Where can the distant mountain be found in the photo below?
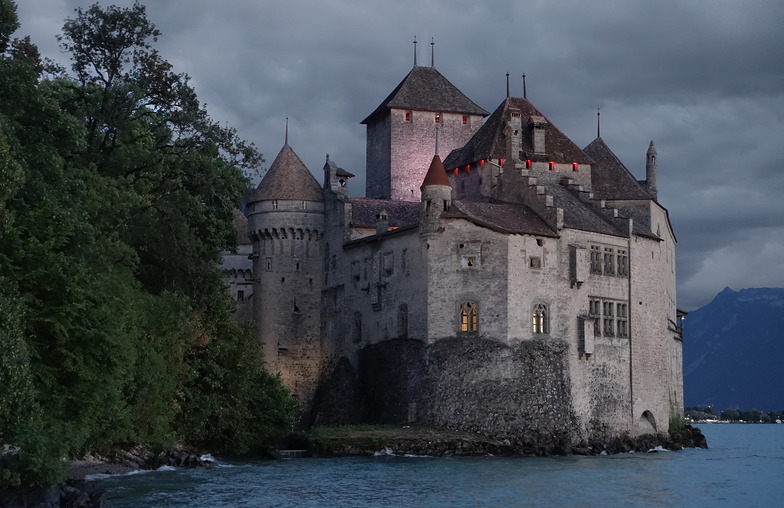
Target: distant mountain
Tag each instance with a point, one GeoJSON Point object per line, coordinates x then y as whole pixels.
{"type": "Point", "coordinates": [733, 351]}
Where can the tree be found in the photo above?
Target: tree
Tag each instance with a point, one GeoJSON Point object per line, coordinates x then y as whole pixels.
{"type": "Point", "coordinates": [116, 199]}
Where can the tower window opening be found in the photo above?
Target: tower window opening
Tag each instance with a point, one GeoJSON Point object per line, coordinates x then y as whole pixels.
{"type": "Point", "coordinates": [528, 164]}
{"type": "Point", "coordinates": [574, 166]}
{"type": "Point", "coordinates": [274, 204]}
{"type": "Point", "coordinates": [465, 120]}
{"type": "Point", "coordinates": [408, 116]}
{"type": "Point", "coordinates": [552, 166]}
{"type": "Point", "coordinates": [438, 118]}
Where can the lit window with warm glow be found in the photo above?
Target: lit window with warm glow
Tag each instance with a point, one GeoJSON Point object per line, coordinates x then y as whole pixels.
{"type": "Point", "coordinates": [468, 321]}
{"type": "Point", "coordinates": [528, 164]}
{"type": "Point", "coordinates": [552, 166]}
{"type": "Point", "coordinates": [539, 321]}
{"type": "Point", "coordinates": [408, 116]}
{"type": "Point", "coordinates": [482, 163]}
{"type": "Point", "coordinates": [438, 118]}
{"type": "Point", "coordinates": [574, 166]}
{"type": "Point", "coordinates": [465, 120]}
{"type": "Point", "coordinates": [500, 162]}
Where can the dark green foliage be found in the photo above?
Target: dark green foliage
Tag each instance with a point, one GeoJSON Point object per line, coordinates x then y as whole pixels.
{"type": "Point", "coordinates": [116, 199]}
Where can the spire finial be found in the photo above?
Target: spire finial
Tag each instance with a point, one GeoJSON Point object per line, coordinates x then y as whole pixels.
{"type": "Point", "coordinates": [507, 85]}
{"type": "Point", "coordinates": [415, 43]}
{"type": "Point", "coordinates": [287, 132]}
{"type": "Point", "coordinates": [432, 52]}
{"type": "Point", "coordinates": [598, 124]}
{"type": "Point", "coordinates": [525, 93]}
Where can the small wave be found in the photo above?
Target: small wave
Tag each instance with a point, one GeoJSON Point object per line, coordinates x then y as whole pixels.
{"type": "Point", "coordinates": [207, 457]}
{"type": "Point", "coordinates": [101, 476]}
{"type": "Point", "coordinates": [657, 449]}
{"type": "Point", "coordinates": [166, 468]}
{"type": "Point", "coordinates": [386, 452]}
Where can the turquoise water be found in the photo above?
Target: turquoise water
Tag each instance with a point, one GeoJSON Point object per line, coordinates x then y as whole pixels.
{"type": "Point", "coordinates": [743, 467]}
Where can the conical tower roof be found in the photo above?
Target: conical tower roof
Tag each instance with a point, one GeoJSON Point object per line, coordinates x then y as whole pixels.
{"type": "Point", "coordinates": [288, 179]}
{"type": "Point", "coordinates": [436, 174]}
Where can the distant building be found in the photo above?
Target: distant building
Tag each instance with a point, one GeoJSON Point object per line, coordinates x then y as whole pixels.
{"type": "Point", "coordinates": [523, 288]}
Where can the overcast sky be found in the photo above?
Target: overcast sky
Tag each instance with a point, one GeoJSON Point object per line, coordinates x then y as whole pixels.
{"type": "Point", "coordinates": [703, 79]}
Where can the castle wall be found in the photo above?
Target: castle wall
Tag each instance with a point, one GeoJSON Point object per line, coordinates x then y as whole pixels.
{"type": "Point", "coordinates": [656, 346]}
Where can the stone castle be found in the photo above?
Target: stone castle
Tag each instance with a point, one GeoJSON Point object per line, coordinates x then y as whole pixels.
{"type": "Point", "coordinates": [523, 288]}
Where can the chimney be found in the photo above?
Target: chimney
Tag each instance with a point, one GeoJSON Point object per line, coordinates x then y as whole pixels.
{"type": "Point", "coordinates": [538, 124]}
{"type": "Point", "coordinates": [650, 170]}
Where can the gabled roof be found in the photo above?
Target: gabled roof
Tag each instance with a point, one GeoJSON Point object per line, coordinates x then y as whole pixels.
{"type": "Point", "coordinates": [365, 211]}
{"type": "Point", "coordinates": [499, 216]}
{"type": "Point", "coordinates": [241, 227]}
{"type": "Point", "coordinates": [609, 177]}
{"type": "Point", "coordinates": [436, 174]}
{"type": "Point", "coordinates": [424, 88]}
{"type": "Point", "coordinates": [288, 179]}
{"type": "Point", "coordinates": [489, 142]}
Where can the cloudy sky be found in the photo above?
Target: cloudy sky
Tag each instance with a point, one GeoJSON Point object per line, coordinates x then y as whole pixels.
{"type": "Point", "coordinates": [704, 79]}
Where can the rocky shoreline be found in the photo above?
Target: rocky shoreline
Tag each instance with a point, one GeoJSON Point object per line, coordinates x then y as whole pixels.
{"type": "Point", "coordinates": [389, 441]}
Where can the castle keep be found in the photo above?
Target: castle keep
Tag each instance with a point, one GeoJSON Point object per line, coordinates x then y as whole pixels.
{"type": "Point", "coordinates": [522, 287]}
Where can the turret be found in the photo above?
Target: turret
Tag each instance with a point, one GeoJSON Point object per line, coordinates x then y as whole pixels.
{"type": "Point", "coordinates": [650, 170]}
{"type": "Point", "coordinates": [436, 196]}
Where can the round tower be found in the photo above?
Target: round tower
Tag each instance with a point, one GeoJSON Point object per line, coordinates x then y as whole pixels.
{"type": "Point", "coordinates": [286, 224]}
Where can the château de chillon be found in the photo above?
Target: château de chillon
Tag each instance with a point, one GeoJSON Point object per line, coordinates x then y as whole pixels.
{"type": "Point", "coordinates": [520, 287]}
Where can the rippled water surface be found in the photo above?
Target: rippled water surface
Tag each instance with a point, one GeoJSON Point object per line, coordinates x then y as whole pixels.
{"type": "Point", "coordinates": [743, 467]}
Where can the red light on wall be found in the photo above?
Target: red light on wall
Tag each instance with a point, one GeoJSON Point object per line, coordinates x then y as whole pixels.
{"type": "Point", "coordinates": [465, 120]}
{"type": "Point", "coordinates": [408, 116]}
{"type": "Point", "coordinates": [500, 162]}
{"type": "Point", "coordinates": [552, 166]}
{"type": "Point", "coordinates": [528, 164]}
{"type": "Point", "coordinates": [574, 166]}
{"type": "Point", "coordinates": [482, 163]}
{"type": "Point", "coordinates": [455, 171]}
{"type": "Point", "coordinates": [468, 169]}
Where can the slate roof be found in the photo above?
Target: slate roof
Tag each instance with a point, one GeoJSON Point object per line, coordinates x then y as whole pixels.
{"type": "Point", "coordinates": [436, 174]}
{"type": "Point", "coordinates": [489, 142]}
{"type": "Point", "coordinates": [426, 89]}
{"type": "Point", "coordinates": [499, 216]}
{"type": "Point", "coordinates": [364, 212]}
{"type": "Point", "coordinates": [288, 179]}
{"type": "Point", "coordinates": [578, 215]}
{"type": "Point", "coordinates": [609, 177]}
{"type": "Point", "coordinates": [241, 228]}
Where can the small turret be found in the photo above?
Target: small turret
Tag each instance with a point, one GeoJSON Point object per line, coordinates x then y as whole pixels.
{"type": "Point", "coordinates": [650, 170]}
{"type": "Point", "coordinates": [436, 196]}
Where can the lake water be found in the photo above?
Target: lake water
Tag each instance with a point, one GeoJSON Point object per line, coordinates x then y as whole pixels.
{"type": "Point", "coordinates": [744, 466]}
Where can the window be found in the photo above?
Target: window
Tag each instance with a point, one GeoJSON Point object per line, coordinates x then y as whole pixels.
{"type": "Point", "coordinates": [240, 296]}
{"type": "Point", "coordinates": [607, 310]}
{"type": "Point", "coordinates": [623, 263]}
{"type": "Point", "coordinates": [540, 319]}
{"type": "Point", "coordinates": [609, 261]}
{"type": "Point", "coordinates": [356, 335]}
{"type": "Point", "coordinates": [596, 259]}
{"type": "Point", "coordinates": [304, 205]}
{"type": "Point", "coordinates": [574, 166]}
{"type": "Point", "coordinates": [535, 262]}
{"type": "Point", "coordinates": [622, 322]}
{"type": "Point", "coordinates": [468, 317]}
{"type": "Point", "coordinates": [465, 120]}
{"type": "Point", "coordinates": [595, 312]}
{"type": "Point", "coordinates": [438, 118]}
{"type": "Point", "coordinates": [552, 166]}
{"type": "Point", "coordinates": [528, 164]}
{"type": "Point", "coordinates": [408, 116]}
{"type": "Point", "coordinates": [268, 264]}
{"type": "Point", "coordinates": [274, 204]}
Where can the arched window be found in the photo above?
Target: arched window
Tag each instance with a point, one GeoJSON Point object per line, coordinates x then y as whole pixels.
{"type": "Point", "coordinates": [541, 319]}
{"type": "Point", "coordinates": [468, 317]}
